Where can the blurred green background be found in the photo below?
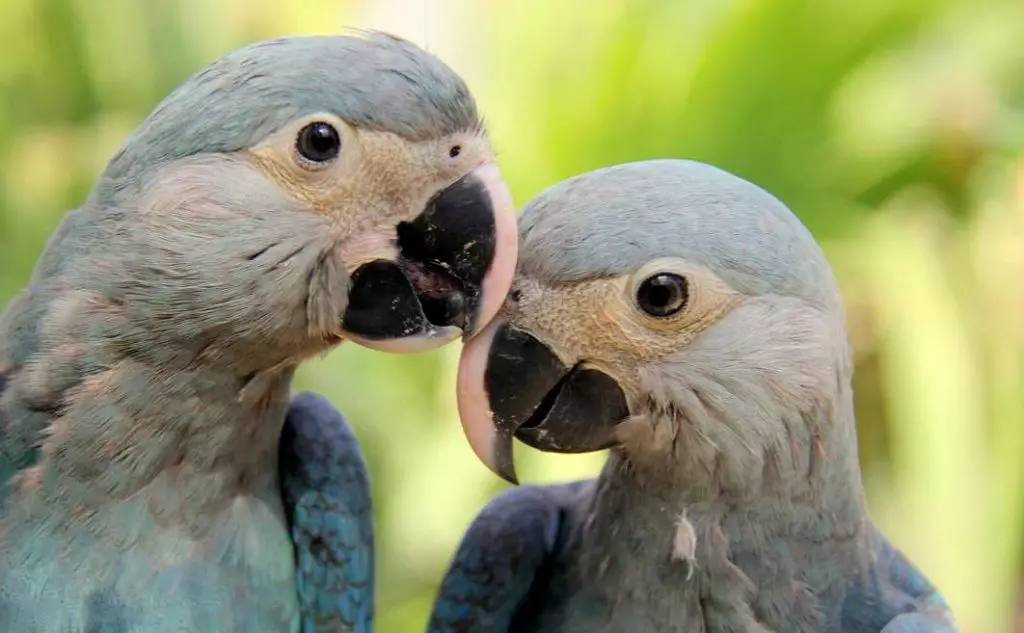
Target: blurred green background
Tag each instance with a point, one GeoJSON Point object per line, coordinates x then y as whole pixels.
{"type": "Point", "coordinates": [894, 128]}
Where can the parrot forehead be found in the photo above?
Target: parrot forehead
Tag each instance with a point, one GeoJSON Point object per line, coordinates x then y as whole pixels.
{"type": "Point", "coordinates": [375, 81]}
{"type": "Point", "coordinates": [612, 221]}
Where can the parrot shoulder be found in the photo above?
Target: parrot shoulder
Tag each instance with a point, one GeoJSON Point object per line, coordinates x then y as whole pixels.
{"type": "Point", "coordinates": [921, 622]}
{"type": "Point", "coordinates": [502, 559]}
{"type": "Point", "coordinates": [30, 388]}
{"type": "Point", "coordinates": [326, 493]}
{"type": "Point", "coordinates": [895, 596]}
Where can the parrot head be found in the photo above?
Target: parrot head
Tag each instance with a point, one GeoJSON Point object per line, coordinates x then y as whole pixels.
{"type": "Point", "coordinates": [295, 193]}
{"type": "Point", "coordinates": [656, 304]}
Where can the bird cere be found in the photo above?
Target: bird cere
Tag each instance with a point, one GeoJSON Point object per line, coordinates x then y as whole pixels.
{"type": "Point", "coordinates": [157, 473]}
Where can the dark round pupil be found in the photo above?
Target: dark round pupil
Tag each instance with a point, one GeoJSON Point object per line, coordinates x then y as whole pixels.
{"type": "Point", "coordinates": [662, 295]}
{"type": "Point", "coordinates": [319, 142]}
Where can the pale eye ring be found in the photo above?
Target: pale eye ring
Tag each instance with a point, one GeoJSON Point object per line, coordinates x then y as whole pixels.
{"type": "Point", "coordinates": [663, 294]}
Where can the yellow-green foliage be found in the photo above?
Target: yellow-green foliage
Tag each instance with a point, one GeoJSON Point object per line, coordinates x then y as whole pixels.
{"type": "Point", "coordinates": [892, 127]}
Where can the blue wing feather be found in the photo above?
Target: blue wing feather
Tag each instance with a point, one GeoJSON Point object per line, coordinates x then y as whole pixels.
{"type": "Point", "coordinates": [326, 492]}
{"type": "Point", "coordinates": [501, 561]}
{"type": "Point", "coordinates": [923, 622]}
{"type": "Point", "coordinates": [933, 615]}
{"type": "Point", "coordinates": [896, 598]}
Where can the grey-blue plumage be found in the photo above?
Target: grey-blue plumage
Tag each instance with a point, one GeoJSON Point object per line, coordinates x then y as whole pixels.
{"type": "Point", "coordinates": [685, 319]}
{"type": "Point", "coordinates": [327, 505]}
{"type": "Point", "coordinates": [155, 472]}
{"type": "Point", "coordinates": [518, 569]}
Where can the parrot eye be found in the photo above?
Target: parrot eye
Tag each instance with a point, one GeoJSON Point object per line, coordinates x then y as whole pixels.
{"type": "Point", "coordinates": [663, 294]}
{"type": "Point", "coordinates": [318, 142]}
{"type": "Point", "coordinates": [455, 151]}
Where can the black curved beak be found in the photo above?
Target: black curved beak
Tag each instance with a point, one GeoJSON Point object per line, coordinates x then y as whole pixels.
{"type": "Point", "coordinates": [454, 267]}
{"type": "Point", "coordinates": [512, 385]}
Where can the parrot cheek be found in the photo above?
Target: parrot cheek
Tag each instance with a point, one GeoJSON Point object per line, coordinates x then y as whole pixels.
{"type": "Point", "coordinates": [512, 385]}
{"type": "Point", "coordinates": [450, 273]}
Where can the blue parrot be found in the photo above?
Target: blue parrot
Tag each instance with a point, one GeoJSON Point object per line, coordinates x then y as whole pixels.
{"type": "Point", "coordinates": [686, 320]}
{"type": "Point", "coordinates": [155, 472]}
